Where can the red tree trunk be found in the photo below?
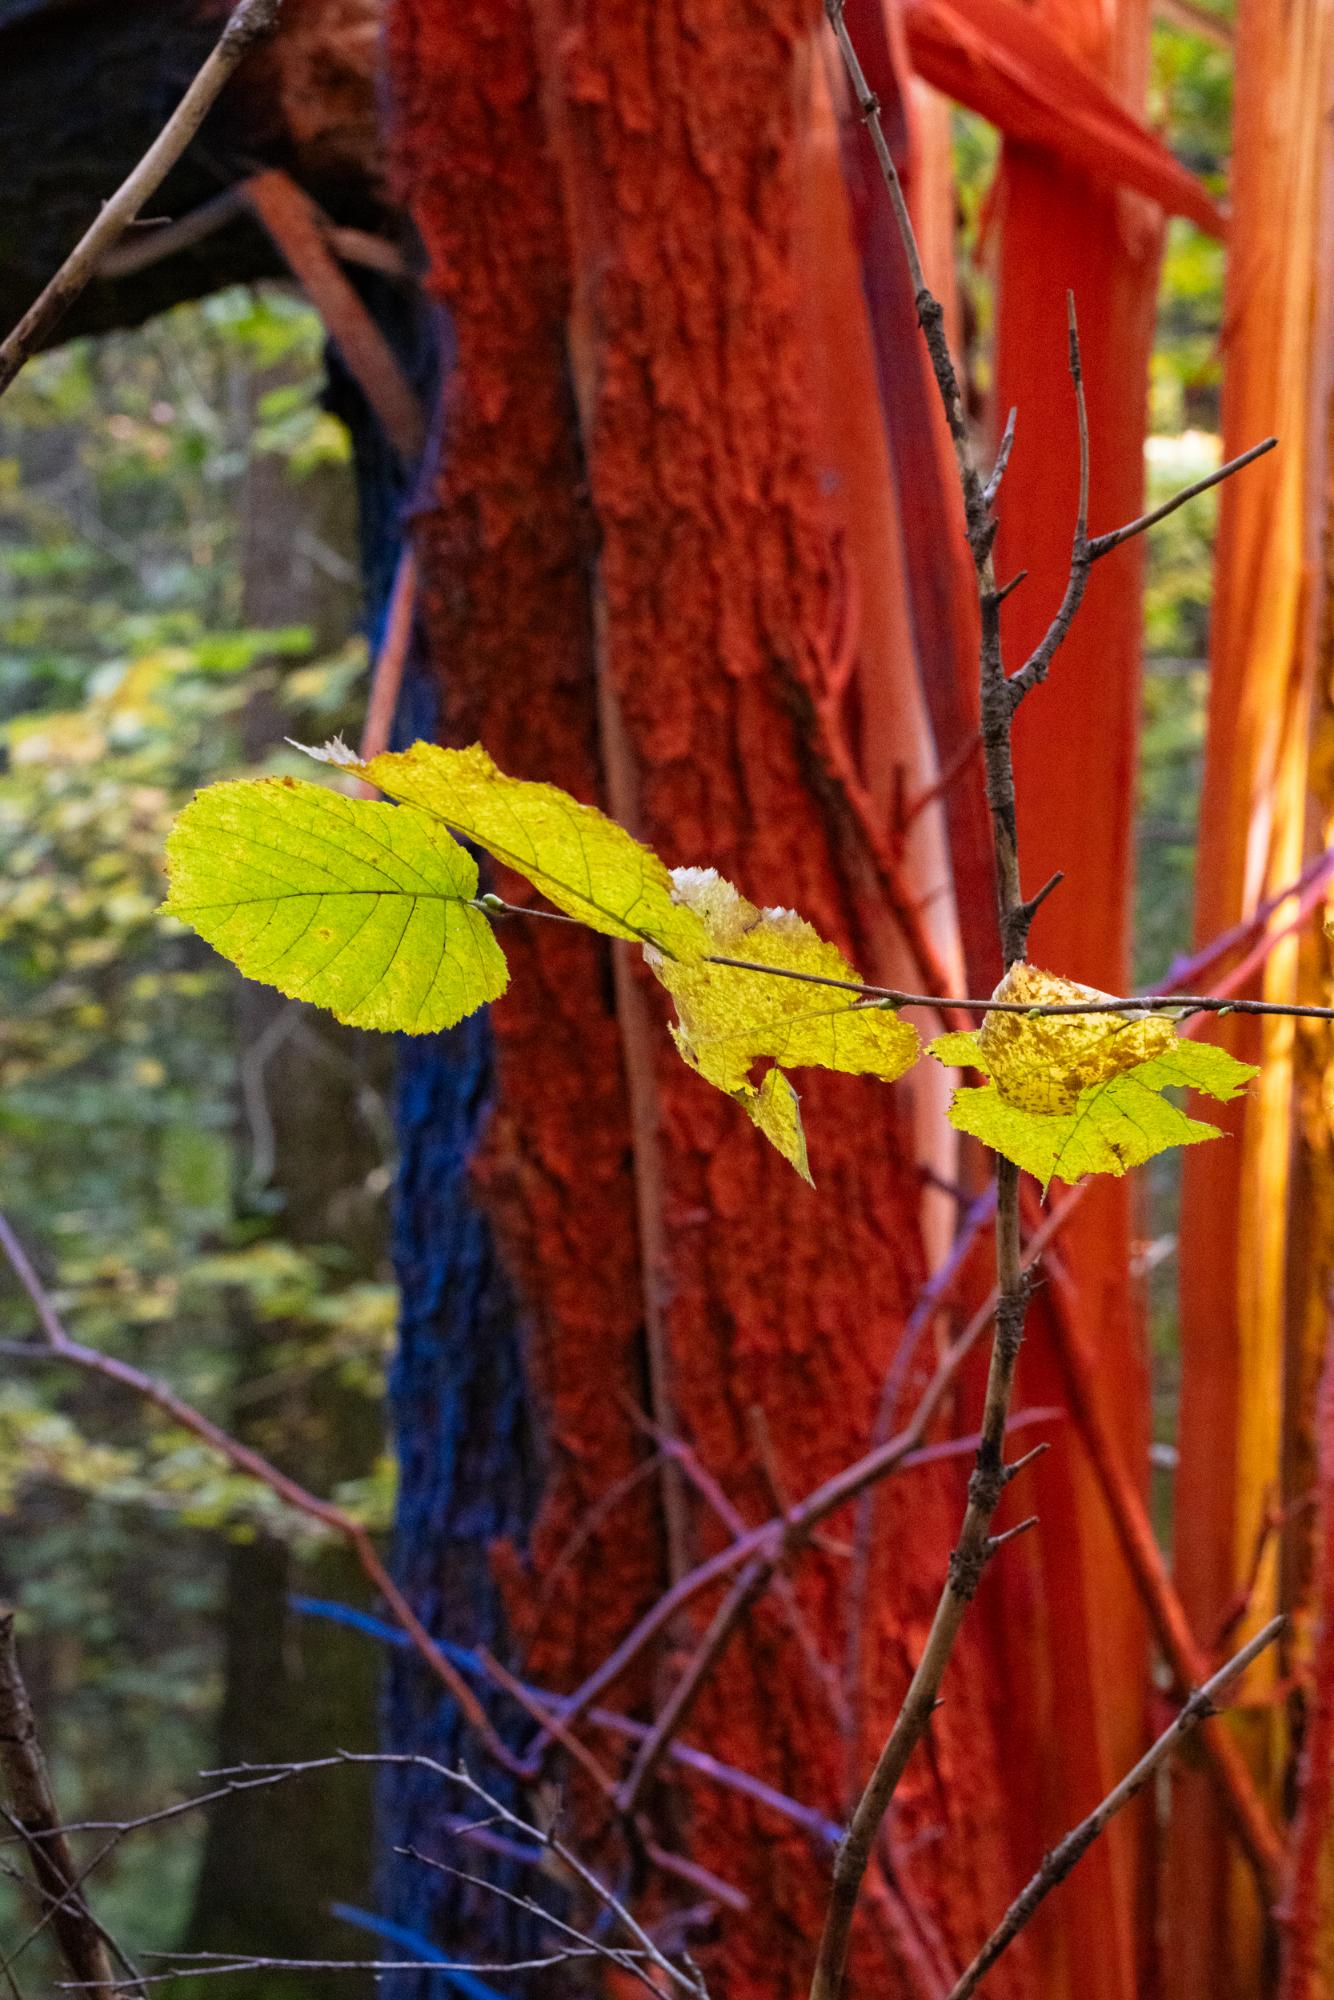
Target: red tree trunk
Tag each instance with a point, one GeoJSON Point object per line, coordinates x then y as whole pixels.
{"type": "Point", "coordinates": [637, 593]}
{"type": "Point", "coordinates": [1075, 772]}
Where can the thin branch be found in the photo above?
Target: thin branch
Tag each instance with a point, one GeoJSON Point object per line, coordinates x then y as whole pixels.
{"type": "Point", "coordinates": [993, 485]}
{"type": "Point", "coordinates": [1102, 545]}
{"type": "Point", "coordinates": [1063, 1857]}
{"type": "Point", "coordinates": [60, 1346]}
{"type": "Point", "coordinates": [1177, 1005]}
{"type": "Point", "coordinates": [77, 1932]}
{"type": "Point", "coordinates": [250, 22]}
{"type": "Point", "coordinates": [1035, 668]}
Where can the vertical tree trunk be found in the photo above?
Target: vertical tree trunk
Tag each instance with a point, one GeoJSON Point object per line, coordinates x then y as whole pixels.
{"type": "Point", "coordinates": [633, 591]}
{"type": "Point", "coordinates": [1252, 837]}
{"type": "Point", "coordinates": [1075, 773]}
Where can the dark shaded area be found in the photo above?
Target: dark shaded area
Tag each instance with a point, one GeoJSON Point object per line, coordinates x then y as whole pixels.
{"type": "Point", "coordinates": [85, 87]}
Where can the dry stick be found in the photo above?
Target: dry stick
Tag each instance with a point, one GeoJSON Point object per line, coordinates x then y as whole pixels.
{"type": "Point", "coordinates": [1188, 1664]}
{"type": "Point", "coordinates": [34, 1812]}
{"type": "Point", "coordinates": [1000, 696]}
{"type": "Point", "coordinates": [299, 229]}
{"type": "Point", "coordinates": [1138, 1005]}
{"type": "Point", "coordinates": [251, 21]}
{"type": "Point", "coordinates": [1063, 1857]}
{"type": "Point", "coordinates": [61, 1347]}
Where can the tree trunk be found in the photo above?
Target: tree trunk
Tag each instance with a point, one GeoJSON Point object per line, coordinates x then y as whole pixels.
{"type": "Point", "coordinates": [633, 591]}
{"type": "Point", "coordinates": [1239, 1359]}
{"type": "Point", "coordinates": [1076, 777]}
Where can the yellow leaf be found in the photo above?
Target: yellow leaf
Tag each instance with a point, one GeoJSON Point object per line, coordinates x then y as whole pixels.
{"type": "Point", "coordinates": [1080, 1094]}
{"type": "Point", "coordinates": [1044, 1064]}
{"type": "Point", "coordinates": [730, 1019]}
{"type": "Point", "coordinates": [582, 861]}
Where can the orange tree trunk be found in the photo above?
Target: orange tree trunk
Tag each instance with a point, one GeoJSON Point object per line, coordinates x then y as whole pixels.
{"type": "Point", "coordinates": [1075, 771]}
{"type": "Point", "coordinates": [1243, 1336]}
{"type": "Point", "coordinates": [637, 572]}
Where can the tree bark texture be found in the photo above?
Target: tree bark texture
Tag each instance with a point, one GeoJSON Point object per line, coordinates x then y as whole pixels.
{"type": "Point", "coordinates": [633, 591]}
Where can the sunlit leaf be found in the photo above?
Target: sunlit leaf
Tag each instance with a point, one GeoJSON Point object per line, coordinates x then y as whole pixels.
{"type": "Point", "coordinates": [582, 861]}
{"type": "Point", "coordinates": [1073, 1094]}
{"type": "Point", "coordinates": [359, 907]}
{"type": "Point", "coordinates": [729, 1019]}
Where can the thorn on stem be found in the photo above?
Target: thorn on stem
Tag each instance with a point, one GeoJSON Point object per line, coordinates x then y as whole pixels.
{"type": "Point", "coordinates": [1012, 1472]}
{"type": "Point", "coordinates": [1007, 589]}
{"type": "Point", "coordinates": [996, 1542]}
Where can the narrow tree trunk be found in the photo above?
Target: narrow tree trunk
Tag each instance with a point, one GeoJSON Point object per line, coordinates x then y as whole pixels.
{"type": "Point", "coordinates": [1076, 776]}
{"type": "Point", "coordinates": [1253, 832]}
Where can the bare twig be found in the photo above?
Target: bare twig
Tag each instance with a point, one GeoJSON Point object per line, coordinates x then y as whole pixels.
{"type": "Point", "coordinates": [1178, 1006]}
{"type": "Point", "coordinates": [250, 22]}
{"type": "Point", "coordinates": [35, 1816]}
{"type": "Point", "coordinates": [1063, 1857]}
{"type": "Point", "coordinates": [299, 229]}
{"type": "Point", "coordinates": [1000, 696]}
{"type": "Point", "coordinates": [60, 1346]}
{"type": "Point", "coordinates": [1035, 668]}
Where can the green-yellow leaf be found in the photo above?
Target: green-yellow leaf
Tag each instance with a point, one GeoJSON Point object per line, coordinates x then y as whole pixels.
{"type": "Point", "coordinates": [774, 1110]}
{"type": "Point", "coordinates": [582, 861]}
{"type": "Point", "coordinates": [728, 1019]}
{"type": "Point", "coordinates": [359, 907]}
{"type": "Point", "coordinates": [1073, 1094]}
{"type": "Point", "coordinates": [1114, 1126]}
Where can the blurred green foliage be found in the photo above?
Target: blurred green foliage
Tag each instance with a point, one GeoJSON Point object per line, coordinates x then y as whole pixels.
{"type": "Point", "coordinates": [134, 1159]}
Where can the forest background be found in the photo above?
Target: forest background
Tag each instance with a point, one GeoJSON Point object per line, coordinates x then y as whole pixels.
{"type": "Point", "coordinates": [180, 591]}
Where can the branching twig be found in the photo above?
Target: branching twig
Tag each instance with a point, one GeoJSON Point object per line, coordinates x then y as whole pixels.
{"type": "Point", "coordinates": [60, 1346]}
{"type": "Point", "coordinates": [34, 1814]}
{"type": "Point", "coordinates": [1063, 1857]}
{"type": "Point", "coordinates": [1000, 696]}
{"type": "Point", "coordinates": [251, 21]}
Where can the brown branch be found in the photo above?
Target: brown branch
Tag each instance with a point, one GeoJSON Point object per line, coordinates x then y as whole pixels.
{"type": "Point", "coordinates": [1186, 1661]}
{"type": "Point", "coordinates": [251, 21]}
{"type": "Point", "coordinates": [1035, 668]}
{"type": "Point", "coordinates": [34, 1814]}
{"type": "Point", "coordinates": [1177, 1005]}
{"type": "Point", "coordinates": [299, 230]}
{"type": "Point", "coordinates": [1067, 1852]}
{"type": "Point", "coordinates": [60, 1346]}
{"type": "Point", "coordinates": [387, 673]}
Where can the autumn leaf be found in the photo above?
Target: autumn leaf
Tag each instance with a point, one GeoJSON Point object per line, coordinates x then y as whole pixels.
{"type": "Point", "coordinates": [581, 861]}
{"type": "Point", "coordinates": [729, 1019]}
{"type": "Point", "coordinates": [362, 908]}
{"type": "Point", "coordinates": [1076, 1094]}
